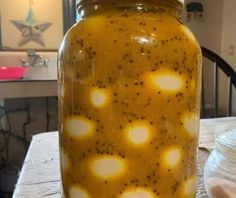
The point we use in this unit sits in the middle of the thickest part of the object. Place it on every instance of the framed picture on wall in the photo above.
(31, 24)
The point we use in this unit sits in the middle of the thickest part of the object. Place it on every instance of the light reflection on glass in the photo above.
(149, 40)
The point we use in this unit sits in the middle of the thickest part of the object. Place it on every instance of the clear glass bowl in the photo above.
(220, 168)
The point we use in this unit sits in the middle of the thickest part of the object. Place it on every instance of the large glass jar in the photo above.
(220, 168)
(129, 81)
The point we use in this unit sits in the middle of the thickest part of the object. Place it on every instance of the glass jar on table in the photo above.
(129, 77)
(220, 168)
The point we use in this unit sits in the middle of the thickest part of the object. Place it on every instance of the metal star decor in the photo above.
(30, 30)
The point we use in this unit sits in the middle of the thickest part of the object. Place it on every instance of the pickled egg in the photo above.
(138, 133)
(172, 157)
(138, 193)
(99, 97)
(189, 187)
(166, 81)
(190, 122)
(77, 191)
(79, 127)
(107, 166)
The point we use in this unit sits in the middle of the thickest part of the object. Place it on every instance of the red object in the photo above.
(11, 72)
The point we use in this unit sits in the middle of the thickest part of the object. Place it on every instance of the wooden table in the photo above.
(40, 175)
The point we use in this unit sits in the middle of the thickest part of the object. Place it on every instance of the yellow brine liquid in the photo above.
(129, 105)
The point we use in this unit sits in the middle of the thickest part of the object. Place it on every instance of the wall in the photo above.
(44, 12)
(229, 38)
(209, 30)
(229, 32)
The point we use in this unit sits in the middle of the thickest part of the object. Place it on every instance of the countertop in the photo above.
(28, 80)
(25, 88)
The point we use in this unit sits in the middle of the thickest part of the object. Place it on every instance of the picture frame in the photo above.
(33, 24)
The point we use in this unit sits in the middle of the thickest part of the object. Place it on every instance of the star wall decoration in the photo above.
(30, 29)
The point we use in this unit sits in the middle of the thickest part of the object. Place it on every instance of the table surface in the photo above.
(40, 175)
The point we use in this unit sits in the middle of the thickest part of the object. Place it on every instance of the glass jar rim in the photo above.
(227, 140)
(80, 2)
(181, 1)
